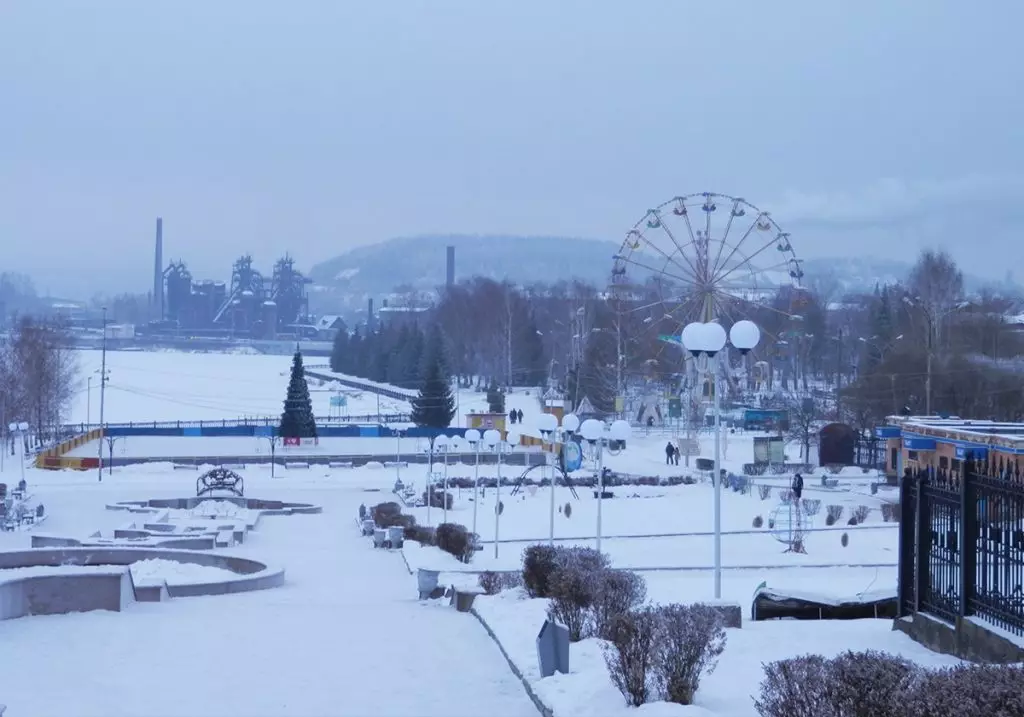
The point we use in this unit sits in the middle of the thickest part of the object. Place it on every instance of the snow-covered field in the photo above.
(180, 386)
(346, 634)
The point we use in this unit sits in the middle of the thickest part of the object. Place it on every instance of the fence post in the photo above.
(920, 552)
(905, 555)
(968, 537)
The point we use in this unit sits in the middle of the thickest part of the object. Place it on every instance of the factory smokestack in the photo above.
(369, 314)
(158, 272)
(450, 268)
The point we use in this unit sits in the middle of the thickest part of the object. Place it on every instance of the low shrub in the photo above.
(384, 514)
(765, 491)
(421, 534)
(835, 512)
(794, 688)
(812, 506)
(967, 691)
(568, 510)
(616, 592)
(631, 654)
(501, 507)
(890, 512)
(845, 539)
(455, 540)
(786, 497)
(758, 521)
(690, 640)
(539, 563)
(493, 583)
(573, 589)
(861, 513)
(853, 520)
(868, 683)
(439, 499)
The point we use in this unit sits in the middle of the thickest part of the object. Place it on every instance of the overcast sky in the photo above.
(312, 127)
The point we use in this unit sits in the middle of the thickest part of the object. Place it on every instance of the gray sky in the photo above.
(250, 126)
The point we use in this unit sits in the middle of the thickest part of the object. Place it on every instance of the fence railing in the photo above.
(962, 543)
(365, 418)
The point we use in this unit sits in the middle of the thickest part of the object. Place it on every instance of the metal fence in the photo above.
(73, 429)
(962, 543)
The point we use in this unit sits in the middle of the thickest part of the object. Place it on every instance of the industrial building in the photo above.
(250, 305)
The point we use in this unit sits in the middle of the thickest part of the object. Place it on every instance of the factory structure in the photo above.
(250, 305)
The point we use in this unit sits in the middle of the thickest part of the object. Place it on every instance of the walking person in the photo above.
(519, 415)
(669, 453)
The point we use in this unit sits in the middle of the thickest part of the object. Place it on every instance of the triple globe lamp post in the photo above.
(705, 342)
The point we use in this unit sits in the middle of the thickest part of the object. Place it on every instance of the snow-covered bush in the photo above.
(439, 499)
(765, 491)
(891, 512)
(616, 592)
(422, 534)
(690, 640)
(758, 521)
(966, 691)
(845, 539)
(384, 514)
(539, 563)
(833, 514)
(861, 513)
(631, 654)
(456, 540)
(568, 510)
(493, 583)
(868, 683)
(573, 588)
(812, 506)
(794, 688)
(786, 497)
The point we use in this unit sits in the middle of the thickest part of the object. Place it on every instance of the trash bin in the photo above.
(426, 580)
(368, 526)
(396, 535)
(379, 536)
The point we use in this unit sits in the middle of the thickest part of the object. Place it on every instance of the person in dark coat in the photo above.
(798, 486)
(519, 415)
(670, 451)
(512, 416)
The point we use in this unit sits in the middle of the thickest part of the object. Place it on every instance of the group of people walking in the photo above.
(515, 416)
(671, 454)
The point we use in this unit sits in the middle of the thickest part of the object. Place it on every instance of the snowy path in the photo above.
(345, 636)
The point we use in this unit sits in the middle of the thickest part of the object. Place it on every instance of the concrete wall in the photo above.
(967, 639)
(59, 594)
(114, 589)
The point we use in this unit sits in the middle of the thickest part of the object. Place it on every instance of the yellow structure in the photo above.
(56, 458)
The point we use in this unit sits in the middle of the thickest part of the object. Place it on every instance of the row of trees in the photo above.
(38, 376)
(920, 345)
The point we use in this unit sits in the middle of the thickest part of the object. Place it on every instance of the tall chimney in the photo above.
(369, 314)
(158, 272)
(450, 266)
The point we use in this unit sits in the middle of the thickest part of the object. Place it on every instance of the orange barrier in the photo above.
(56, 459)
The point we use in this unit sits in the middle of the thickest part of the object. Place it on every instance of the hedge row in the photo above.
(883, 685)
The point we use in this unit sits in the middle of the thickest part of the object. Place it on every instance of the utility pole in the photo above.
(839, 375)
(103, 390)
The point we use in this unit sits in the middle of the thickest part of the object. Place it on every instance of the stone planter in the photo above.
(396, 536)
(379, 536)
(368, 526)
(463, 600)
(426, 581)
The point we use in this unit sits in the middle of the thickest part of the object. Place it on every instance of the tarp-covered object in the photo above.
(772, 604)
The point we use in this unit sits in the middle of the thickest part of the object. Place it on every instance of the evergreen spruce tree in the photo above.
(435, 405)
(495, 398)
(297, 420)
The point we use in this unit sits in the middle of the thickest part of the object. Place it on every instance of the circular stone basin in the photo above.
(110, 584)
(266, 507)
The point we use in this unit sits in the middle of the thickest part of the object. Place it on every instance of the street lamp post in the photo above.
(472, 437)
(593, 431)
(103, 394)
(19, 431)
(398, 454)
(705, 342)
(443, 443)
(547, 424)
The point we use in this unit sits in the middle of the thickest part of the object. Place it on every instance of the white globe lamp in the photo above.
(491, 438)
(744, 335)
(472, 436)
(547, 423)
(691, 338)
(714, 338)
(571, 423)
(619, 430)
(591, 429)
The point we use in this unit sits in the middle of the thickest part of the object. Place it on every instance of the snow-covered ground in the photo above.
(346, 634)
(181, 386)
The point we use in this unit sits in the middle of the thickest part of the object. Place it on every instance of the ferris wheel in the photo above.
(702, 256)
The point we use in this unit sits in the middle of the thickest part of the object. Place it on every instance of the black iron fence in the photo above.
(962, 543)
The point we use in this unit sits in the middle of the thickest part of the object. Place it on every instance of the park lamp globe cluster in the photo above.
(704, 341)
(593, 432)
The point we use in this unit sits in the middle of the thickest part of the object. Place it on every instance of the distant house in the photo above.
(327, 327)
